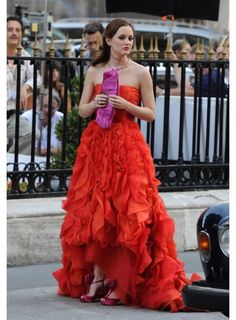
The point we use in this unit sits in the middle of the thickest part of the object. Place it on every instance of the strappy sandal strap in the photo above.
(106, 300)
(100, 290)
(89, 279)
(97, 281)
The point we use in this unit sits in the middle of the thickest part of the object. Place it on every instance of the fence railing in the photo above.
(189, 139)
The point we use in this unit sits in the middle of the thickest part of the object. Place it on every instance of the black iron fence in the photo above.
(189, 139)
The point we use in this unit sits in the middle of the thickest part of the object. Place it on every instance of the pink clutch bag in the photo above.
(110, 85)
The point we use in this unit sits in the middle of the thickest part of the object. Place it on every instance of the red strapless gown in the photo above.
(116, 218)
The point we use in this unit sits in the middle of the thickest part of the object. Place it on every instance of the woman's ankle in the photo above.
(98, 273)
(94, 287)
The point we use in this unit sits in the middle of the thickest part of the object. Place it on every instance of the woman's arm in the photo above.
(88, 103)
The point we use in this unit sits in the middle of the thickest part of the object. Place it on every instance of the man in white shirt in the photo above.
(42, 123)
(14, 36)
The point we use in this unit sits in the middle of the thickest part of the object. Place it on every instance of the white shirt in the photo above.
(55, 143)
(26, 78)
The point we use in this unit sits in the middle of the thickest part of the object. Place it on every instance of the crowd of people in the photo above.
(182, 45)
(93, 35)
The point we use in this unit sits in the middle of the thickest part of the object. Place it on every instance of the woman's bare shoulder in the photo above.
(94, 76)
(91, 70)
(95, 71)
(140, 71)
(137, 67)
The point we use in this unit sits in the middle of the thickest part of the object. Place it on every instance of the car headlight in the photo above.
(204, 245)
(223, 236)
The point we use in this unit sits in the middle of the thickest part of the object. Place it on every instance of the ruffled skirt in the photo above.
(116, 219)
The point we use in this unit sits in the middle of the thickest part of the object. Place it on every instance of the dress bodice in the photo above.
(130, 93)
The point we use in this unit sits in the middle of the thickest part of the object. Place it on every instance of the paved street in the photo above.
(32, 296)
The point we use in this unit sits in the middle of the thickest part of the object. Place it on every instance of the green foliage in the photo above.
(74, 128)
(75, 90)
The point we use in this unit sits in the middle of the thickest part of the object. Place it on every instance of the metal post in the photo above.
(44, 41)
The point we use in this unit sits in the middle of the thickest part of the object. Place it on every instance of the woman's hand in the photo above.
(118, 102)
(100, 100)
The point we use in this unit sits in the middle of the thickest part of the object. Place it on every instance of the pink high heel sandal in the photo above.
(106, 301)
(100, 292)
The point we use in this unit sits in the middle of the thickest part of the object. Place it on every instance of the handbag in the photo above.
(110, 85)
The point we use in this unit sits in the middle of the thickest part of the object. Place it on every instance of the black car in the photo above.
(213, 242)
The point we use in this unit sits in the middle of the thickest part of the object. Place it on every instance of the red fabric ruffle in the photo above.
(115, 218)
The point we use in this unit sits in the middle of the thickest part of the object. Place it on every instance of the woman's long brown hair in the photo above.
(109, 32)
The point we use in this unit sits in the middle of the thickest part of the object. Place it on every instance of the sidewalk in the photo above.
(44, 304)
(32, 296)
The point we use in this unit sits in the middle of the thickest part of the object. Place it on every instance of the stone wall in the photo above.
(33, 225)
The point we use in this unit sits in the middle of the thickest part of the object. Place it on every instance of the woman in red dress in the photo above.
(117, 237)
